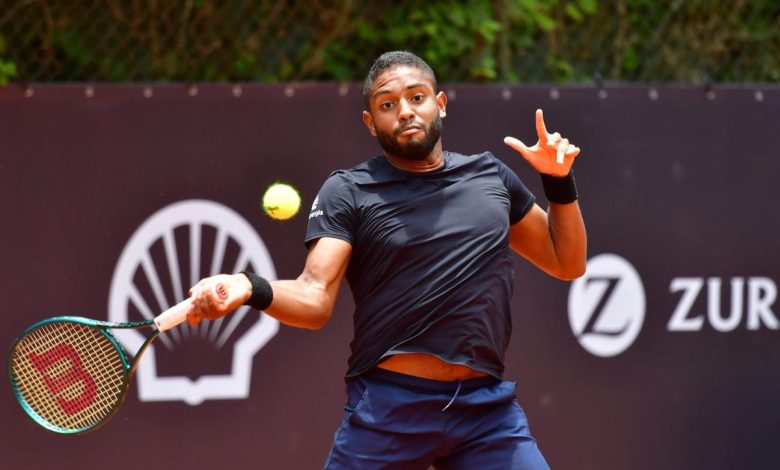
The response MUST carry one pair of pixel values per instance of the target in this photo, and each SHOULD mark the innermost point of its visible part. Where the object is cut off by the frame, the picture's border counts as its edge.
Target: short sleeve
(333, 211)
(521, 199)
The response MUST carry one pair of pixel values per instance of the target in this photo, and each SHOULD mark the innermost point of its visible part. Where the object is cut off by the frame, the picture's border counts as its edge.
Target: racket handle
(173, 316)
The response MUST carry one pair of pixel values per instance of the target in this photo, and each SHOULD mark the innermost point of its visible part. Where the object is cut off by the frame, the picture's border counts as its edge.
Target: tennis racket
(70, 374)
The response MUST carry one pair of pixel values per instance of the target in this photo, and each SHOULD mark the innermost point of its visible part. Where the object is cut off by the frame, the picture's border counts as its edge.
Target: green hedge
(516, 41)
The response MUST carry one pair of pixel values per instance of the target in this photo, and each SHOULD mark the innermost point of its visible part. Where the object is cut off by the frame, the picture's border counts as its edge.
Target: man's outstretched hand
(551, 155)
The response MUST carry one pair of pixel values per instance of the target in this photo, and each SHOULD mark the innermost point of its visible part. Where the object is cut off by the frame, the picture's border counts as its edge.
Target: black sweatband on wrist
(560, 190)
(262, 293)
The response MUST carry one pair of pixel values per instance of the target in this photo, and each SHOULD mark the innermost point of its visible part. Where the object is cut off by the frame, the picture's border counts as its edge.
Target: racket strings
(71, 375)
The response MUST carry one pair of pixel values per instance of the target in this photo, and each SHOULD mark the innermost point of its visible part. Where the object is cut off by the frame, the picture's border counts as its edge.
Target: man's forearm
(301, 304)
(567, 231)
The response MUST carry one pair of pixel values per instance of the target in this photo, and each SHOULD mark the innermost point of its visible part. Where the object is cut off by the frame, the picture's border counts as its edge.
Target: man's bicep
(308, 300)
(326, 263)
(530, 238)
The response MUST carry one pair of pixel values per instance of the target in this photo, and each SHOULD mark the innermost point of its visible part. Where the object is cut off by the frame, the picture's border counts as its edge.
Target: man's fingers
(553, 140)
(193, 319)
(517, 145)
(573, 151)
(563, 146)
(541, 129)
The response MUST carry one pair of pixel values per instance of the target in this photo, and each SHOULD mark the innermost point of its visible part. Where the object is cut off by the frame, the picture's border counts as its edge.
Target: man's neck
(432, 162)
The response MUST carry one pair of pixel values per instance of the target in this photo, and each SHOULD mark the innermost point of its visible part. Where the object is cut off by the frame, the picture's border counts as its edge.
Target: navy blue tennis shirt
(430, 270)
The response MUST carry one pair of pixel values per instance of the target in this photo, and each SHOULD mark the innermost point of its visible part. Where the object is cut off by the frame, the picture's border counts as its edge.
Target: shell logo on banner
(173, 249)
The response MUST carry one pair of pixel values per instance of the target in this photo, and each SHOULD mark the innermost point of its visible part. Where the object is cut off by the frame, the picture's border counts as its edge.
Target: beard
(414, 149)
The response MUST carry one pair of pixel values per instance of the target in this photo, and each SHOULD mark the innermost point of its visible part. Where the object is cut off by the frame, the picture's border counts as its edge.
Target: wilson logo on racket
(74, 375)
(70, 374)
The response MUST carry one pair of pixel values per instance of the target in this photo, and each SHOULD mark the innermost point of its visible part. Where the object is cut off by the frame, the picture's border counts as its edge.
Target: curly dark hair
(392, 59)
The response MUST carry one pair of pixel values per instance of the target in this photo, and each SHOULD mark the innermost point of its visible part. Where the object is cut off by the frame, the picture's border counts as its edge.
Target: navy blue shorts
(396, 421)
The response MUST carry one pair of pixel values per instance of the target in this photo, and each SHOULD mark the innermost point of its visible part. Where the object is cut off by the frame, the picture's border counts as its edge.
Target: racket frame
(103, 327)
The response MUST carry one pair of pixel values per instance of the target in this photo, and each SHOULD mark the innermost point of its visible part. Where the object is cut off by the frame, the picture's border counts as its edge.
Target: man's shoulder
(373, 170)
(477, 160)
(457, 156)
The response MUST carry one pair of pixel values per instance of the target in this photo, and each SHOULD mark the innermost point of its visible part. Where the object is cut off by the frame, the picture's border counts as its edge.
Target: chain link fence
(516, 41)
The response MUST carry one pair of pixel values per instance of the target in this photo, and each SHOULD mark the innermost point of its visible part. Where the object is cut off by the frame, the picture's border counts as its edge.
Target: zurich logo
(607, 306)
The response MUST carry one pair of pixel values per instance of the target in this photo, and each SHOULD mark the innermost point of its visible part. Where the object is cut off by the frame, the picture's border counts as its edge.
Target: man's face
(405, 114)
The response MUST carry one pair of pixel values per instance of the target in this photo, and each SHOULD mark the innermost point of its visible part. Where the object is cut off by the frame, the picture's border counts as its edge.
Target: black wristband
(262, 293)
(560, 190)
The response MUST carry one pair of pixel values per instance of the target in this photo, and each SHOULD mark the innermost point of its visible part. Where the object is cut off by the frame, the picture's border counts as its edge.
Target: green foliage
(444, 34)
(7, 69)
(466, 41)
(472, 40)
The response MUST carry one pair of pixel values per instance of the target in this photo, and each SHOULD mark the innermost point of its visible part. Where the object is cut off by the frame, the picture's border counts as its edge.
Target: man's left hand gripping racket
(70, 374)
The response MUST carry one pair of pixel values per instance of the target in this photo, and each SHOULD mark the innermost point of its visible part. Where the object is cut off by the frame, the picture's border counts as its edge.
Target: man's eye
(386, 105)
(417, 98)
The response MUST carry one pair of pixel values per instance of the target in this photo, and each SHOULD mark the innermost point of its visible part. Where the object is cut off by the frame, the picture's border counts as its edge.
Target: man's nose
(406, 111)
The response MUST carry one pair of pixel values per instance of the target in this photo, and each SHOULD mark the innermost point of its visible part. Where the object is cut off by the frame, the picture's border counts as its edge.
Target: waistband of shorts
(428, 385)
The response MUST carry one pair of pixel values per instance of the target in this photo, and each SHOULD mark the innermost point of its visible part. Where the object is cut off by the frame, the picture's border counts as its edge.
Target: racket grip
(173, 316)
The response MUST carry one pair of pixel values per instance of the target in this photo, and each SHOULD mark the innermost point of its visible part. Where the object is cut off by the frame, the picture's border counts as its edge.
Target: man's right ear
(368, 120)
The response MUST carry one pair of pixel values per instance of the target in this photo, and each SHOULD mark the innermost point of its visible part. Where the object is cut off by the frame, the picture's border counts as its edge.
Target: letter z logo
(607, 306)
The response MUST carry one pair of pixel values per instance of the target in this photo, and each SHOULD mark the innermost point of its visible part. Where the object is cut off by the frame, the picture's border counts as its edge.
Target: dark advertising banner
(666, 354)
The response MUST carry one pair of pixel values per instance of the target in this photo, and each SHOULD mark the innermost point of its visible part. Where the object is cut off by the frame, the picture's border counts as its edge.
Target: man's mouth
(409, 130)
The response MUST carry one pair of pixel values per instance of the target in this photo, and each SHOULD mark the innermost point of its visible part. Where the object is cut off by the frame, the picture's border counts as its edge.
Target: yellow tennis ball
(281, 201)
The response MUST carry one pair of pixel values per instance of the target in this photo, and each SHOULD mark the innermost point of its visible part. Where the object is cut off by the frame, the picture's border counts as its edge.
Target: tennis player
(423, 237)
